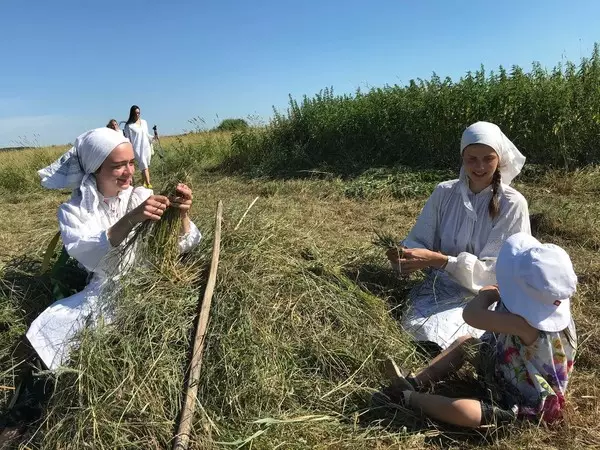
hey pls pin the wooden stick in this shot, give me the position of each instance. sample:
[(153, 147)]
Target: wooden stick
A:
[(244, 215), (182, 438)]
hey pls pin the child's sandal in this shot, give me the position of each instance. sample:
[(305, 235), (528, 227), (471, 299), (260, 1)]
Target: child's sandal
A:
[(396, 375)]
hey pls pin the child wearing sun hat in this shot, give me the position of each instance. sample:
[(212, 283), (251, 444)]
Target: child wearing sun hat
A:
[(530, 343)]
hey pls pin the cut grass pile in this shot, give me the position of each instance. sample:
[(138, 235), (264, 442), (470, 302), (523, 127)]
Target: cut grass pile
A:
[(304, 311)]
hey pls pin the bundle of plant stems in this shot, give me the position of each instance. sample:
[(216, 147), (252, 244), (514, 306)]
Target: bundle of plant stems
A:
[(157, 242)]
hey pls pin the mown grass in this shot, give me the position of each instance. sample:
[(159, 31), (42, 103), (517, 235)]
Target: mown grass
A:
[(304, 311)]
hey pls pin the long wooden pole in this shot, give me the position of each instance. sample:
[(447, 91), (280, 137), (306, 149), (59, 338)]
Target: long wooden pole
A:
[(182, 438)]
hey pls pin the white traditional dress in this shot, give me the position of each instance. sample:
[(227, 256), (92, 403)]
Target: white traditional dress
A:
[(141, 139), (456, 222), (84, 221), (85, 238)]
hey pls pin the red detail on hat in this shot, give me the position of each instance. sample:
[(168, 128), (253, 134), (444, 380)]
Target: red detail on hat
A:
[(557, 303)]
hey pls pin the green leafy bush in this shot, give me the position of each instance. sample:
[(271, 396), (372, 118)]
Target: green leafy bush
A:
[(553, 116)]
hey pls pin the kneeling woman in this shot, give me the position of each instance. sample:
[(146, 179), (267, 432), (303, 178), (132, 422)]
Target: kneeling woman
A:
[(94, 225), (459, 233)]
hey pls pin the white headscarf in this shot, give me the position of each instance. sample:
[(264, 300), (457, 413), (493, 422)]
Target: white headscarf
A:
[(511, 160), (75, 169)]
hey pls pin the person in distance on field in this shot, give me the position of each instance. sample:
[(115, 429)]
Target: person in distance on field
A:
[(114, 125), (136, 130), (458, 235)]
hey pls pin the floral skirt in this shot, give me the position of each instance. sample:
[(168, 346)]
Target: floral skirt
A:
[(500, 404)]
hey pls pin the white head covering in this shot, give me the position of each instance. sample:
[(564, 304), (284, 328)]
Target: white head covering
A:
[(511, 160), (75, 169), (536, 282)]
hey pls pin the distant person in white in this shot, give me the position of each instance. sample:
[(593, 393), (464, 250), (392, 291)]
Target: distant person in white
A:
[(136, 130), (459, 233), (114, 125), (95, 224)]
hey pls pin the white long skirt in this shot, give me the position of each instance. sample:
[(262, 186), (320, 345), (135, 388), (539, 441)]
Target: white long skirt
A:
[(435, 310), (52, 334)]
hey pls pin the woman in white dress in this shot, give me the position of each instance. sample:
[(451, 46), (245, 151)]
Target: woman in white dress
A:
[(136, 130), (459, 233), (94, 226)]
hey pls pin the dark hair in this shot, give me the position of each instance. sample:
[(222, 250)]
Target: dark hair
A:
[(111, 121), (494, 206), (132, 114)]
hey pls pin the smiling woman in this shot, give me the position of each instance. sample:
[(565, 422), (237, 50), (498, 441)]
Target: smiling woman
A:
[(114, 175), (459, 233), (94, 226)]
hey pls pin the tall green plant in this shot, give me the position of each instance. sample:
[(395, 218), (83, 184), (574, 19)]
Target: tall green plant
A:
[(552, 115)]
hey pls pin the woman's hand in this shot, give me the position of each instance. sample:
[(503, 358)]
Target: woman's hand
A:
[(182, 200), (151, 209), (394, 254), (488, 295), (414, 259)]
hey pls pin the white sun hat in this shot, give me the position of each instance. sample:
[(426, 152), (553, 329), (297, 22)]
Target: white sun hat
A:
[(536, 282)]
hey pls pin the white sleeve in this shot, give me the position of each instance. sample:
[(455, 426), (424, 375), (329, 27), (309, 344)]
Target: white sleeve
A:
[(87, 247), (147, 131), (84, 242), (474, 272), (190, 240), (424, 233)]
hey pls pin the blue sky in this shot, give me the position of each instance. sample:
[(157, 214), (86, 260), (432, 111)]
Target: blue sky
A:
[(68, 66)]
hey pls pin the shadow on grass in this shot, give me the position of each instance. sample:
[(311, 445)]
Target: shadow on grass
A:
[(24, 286), (383, 283), (545, 226), (397, 419), (24, 293), (367, 172)]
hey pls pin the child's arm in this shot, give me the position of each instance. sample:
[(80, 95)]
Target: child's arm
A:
[(477, 314)]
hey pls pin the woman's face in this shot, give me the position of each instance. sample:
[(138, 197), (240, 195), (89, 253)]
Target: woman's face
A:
[(137, 114), (480, 163), (114, 125), (116, 172)]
